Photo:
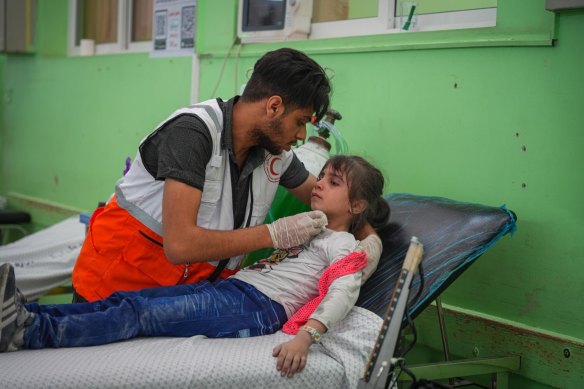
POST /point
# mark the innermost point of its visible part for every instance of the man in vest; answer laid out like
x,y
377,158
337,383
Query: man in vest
x,y
192,203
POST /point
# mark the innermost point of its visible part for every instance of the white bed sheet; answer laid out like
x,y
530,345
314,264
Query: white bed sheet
x,y
45,259
197,362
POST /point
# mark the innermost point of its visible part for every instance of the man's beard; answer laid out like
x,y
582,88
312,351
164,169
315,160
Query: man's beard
x,y
264,141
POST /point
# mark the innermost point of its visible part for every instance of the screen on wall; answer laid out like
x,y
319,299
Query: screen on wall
x,y
259,15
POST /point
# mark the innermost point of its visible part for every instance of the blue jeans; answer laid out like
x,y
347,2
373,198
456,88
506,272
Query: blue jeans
x,y
226,308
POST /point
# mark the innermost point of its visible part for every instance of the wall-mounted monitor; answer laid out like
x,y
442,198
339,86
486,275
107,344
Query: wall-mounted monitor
x,y
273,20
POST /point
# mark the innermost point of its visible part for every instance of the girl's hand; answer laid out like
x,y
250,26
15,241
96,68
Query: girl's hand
x,y
292,355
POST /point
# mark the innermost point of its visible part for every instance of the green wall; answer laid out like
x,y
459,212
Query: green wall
x,y
495,125
72,121
491,116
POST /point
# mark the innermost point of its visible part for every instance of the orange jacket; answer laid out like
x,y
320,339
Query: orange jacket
x,y
120,253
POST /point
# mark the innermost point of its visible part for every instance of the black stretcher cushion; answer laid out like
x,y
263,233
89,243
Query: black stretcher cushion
x,y
10,216
454,235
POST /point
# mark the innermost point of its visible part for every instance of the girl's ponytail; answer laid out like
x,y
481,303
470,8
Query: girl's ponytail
x,y
379,213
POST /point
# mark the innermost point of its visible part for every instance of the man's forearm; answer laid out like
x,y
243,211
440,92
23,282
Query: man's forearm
x,y
197,244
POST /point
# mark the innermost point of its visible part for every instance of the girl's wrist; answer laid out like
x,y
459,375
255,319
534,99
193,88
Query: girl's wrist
x,y
304,337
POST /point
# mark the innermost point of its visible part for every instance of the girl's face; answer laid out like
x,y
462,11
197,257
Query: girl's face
x,y
331,195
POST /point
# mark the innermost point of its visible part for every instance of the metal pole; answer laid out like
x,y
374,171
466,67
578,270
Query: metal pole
x,y
442,329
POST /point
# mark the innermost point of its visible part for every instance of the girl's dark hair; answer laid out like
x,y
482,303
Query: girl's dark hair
x,y
365,182
292,75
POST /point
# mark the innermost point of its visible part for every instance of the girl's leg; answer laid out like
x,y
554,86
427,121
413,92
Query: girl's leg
x,y
111,301
229,308
99,322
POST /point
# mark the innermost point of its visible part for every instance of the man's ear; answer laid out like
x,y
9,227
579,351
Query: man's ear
x,y
358,206
274,106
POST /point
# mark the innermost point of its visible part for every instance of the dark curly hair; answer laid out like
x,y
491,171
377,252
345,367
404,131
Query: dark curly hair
x,y
292,75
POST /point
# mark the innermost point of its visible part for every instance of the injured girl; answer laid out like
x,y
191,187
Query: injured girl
x,y
303,290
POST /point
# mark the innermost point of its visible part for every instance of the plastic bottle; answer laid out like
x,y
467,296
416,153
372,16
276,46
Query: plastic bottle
x,y
313,154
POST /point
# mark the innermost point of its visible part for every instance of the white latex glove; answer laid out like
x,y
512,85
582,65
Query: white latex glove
x,y
294,230
372,246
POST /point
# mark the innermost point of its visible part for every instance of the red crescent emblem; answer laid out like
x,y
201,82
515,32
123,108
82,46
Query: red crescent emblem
x,y
274,173
270,168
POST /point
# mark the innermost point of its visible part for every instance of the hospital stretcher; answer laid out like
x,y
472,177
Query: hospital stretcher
x,y
454,235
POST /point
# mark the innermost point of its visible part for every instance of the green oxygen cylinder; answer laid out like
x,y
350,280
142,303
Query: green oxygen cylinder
x,y
313,154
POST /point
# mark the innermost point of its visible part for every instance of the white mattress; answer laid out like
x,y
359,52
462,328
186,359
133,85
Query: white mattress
x,y
197,362
45,259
